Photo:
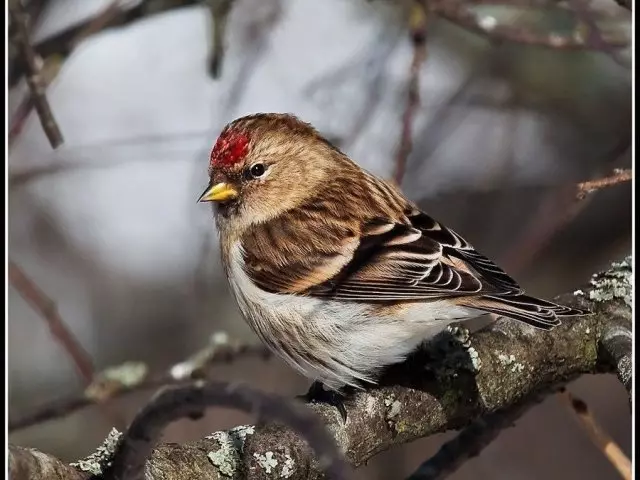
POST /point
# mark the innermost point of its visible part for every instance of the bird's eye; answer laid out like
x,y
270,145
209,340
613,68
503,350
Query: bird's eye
x,y
257,170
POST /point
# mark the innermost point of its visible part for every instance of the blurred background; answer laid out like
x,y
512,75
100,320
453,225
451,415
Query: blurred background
x,y
107,225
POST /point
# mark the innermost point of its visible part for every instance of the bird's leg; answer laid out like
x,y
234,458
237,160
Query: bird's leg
x,y
318,394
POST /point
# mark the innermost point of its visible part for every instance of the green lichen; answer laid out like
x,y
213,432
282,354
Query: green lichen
x,y
615,283
288,467
101,458
510,360
266,461
123,376
227,457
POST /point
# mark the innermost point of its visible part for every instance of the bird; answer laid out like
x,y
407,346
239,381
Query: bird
x,y
334,268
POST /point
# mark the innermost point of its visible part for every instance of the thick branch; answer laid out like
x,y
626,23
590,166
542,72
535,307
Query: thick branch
x,y
507,364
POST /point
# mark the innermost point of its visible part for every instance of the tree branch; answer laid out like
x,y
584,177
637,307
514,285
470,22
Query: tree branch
x,y
131,377
39,301
35,82
506,364
418,32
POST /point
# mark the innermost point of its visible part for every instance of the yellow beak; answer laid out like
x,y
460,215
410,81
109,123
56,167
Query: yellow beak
x,y
221,192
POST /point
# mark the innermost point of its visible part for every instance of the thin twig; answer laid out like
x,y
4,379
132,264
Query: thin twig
x,y
590,186
34,77
418,32
101,391
597,435
190,401
39,301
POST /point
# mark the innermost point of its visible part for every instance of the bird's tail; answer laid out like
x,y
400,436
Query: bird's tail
x,y
533,311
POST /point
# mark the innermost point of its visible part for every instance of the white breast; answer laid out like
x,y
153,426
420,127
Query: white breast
x,y
339,343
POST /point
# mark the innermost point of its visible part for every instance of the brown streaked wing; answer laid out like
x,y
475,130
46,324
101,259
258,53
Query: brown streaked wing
x,y
456,246
396,263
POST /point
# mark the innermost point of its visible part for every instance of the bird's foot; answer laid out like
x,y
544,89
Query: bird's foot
x,y
318,394
461,334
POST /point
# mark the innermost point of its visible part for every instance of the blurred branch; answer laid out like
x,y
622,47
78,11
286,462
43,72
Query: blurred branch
x,y
416,399
37,299
594,35
469,442
458,12
619,176
418,32
190,401
598,436
133,377
33,63
219,11
557,209
63,42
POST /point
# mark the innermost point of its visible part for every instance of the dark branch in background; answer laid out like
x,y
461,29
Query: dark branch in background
x,y
63,43
556,210
501,367
190,401
470,442
32,64
418,32
133,377
219,11
37,299
598,436
455,11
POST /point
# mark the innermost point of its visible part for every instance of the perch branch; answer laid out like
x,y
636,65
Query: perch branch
x,y
506,364
190,401
32,62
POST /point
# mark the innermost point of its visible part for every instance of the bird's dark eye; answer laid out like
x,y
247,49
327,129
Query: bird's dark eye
x,y
257,170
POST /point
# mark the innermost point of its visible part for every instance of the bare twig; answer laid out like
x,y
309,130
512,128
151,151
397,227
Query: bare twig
x,y
597,435
190,401
590,186
109,386
34,77
418,32
37,299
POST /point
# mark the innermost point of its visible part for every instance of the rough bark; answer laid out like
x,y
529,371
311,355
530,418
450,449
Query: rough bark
x,y
439,389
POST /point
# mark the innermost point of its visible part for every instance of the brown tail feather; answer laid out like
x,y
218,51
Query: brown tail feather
x,y
530,310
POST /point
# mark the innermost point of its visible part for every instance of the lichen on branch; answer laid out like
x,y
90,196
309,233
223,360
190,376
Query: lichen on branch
x,y
426,395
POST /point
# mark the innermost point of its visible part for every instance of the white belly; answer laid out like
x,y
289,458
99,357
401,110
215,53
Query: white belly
x,y
338,343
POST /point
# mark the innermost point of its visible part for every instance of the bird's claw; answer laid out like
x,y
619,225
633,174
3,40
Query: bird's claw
x,y
318,394
461,334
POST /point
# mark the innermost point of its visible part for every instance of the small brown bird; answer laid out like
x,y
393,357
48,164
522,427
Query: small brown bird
x,y
335,269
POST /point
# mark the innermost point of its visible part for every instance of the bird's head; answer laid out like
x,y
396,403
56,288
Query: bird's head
x,y
264,164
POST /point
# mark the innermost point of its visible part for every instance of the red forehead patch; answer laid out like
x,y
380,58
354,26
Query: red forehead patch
x,y
230,148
